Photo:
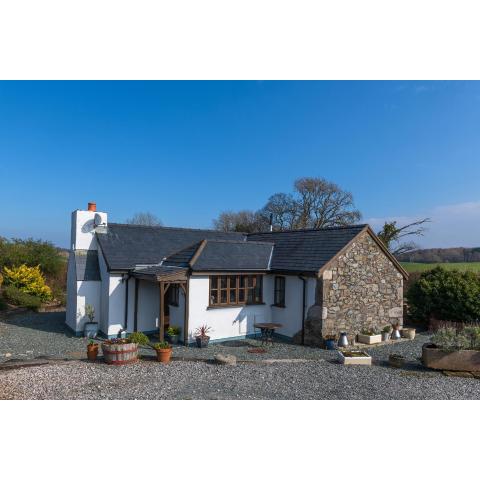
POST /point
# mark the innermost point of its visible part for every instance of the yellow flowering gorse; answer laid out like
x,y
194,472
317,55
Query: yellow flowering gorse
x,y
28,280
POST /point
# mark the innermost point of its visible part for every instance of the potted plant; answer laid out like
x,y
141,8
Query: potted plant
x,y
121,351
369,336
90,329
453,349
173,334
92,350
164,351
201,336
386,333
408,333
396,332
330,342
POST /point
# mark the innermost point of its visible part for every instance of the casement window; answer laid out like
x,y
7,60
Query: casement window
x,y
173,294
235,290
279,292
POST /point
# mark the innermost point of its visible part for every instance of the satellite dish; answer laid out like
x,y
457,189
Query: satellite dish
x,y
100,223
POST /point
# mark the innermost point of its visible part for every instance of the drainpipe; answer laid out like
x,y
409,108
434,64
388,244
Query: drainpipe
x,y
304,304
125,322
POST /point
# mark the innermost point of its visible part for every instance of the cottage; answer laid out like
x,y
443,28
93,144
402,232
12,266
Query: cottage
x,y
313,282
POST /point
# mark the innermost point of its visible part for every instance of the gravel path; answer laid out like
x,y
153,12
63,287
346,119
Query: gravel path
x,y
191,376
199,380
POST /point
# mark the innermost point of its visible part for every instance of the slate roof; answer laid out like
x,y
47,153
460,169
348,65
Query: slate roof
x,y
222,255
86,265
159,271
125,246
298,251
306,250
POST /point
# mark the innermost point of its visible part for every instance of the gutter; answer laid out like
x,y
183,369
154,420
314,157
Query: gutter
x,y
304,304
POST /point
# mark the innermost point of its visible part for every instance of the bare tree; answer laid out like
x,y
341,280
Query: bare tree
x,y
281,208
144,218
243,221
391,235
320,204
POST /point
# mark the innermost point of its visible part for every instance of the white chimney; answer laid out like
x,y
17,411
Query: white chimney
x,y
85,223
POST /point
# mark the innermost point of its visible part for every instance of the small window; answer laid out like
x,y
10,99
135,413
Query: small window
x,y
279,295
173,294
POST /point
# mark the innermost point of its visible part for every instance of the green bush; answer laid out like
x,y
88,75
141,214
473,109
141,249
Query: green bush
x,y
15,296
138,337
445,294
173,331
451,339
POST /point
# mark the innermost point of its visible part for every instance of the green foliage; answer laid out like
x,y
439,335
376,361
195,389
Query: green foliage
x,y
412,267
171,331
138,337
15,296
369,331
90,312
447,295
31,253
387,329
162,345
28,280
451,339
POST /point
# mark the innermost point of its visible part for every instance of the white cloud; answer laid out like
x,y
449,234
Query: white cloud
x,y
456,225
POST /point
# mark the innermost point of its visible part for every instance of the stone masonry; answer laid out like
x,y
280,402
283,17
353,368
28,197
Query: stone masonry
x,y
362,289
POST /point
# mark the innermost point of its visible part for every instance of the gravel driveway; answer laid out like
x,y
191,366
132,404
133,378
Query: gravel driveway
x,y
192,376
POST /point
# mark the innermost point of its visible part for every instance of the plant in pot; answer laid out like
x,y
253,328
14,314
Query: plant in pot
x,y
92,350
396,332
386,333
369,336
173,334
201,336
90,329
121,351
164,351
330,341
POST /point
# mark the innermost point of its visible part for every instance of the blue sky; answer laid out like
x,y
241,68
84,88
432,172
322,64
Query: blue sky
x,y
188,150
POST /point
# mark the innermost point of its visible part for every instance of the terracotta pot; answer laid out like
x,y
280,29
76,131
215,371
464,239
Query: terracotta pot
x,y
92,351
163,355
408,333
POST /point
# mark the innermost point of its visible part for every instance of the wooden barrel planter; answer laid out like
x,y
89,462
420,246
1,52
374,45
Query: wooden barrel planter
x,y
120,353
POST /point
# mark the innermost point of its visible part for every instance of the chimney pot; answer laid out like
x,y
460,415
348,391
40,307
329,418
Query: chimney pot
x,y
92,207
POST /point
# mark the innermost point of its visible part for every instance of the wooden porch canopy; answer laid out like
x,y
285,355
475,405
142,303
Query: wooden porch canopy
x,y
165,277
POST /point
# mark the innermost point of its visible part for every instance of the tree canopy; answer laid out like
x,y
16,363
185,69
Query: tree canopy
x,y
314,203
144,218
391,235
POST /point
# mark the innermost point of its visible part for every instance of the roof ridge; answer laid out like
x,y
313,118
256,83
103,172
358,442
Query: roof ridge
x,y
339,227
253,242
162,227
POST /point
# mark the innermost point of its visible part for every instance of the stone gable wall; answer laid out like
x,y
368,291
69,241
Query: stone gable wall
x,y
361,289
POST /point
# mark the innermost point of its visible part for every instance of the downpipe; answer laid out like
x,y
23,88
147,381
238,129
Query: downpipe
x,y
304,304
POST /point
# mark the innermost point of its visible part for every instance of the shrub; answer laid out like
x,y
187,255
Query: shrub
x,y
15,296
173,331
451,339
138,337
28,280
162,345
445,294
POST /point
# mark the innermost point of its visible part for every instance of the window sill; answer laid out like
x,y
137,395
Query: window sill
x,y
241,305
278,305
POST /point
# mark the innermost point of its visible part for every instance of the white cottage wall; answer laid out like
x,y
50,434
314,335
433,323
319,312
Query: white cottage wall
x,y
226,322
104,294
88,292
116,304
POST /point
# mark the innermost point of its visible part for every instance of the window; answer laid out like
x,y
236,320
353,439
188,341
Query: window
x,y
235,289
172,295
279,294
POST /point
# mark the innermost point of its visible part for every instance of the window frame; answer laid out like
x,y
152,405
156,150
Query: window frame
x,y
280,289
246,289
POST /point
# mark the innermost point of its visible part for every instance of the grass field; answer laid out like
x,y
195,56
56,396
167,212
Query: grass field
x,y
422,267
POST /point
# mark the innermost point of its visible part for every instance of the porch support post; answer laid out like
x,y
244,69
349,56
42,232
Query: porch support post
x,y
162,312
185,320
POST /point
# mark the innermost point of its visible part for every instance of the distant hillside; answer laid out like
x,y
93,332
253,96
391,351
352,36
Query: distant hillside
x,y
442,255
